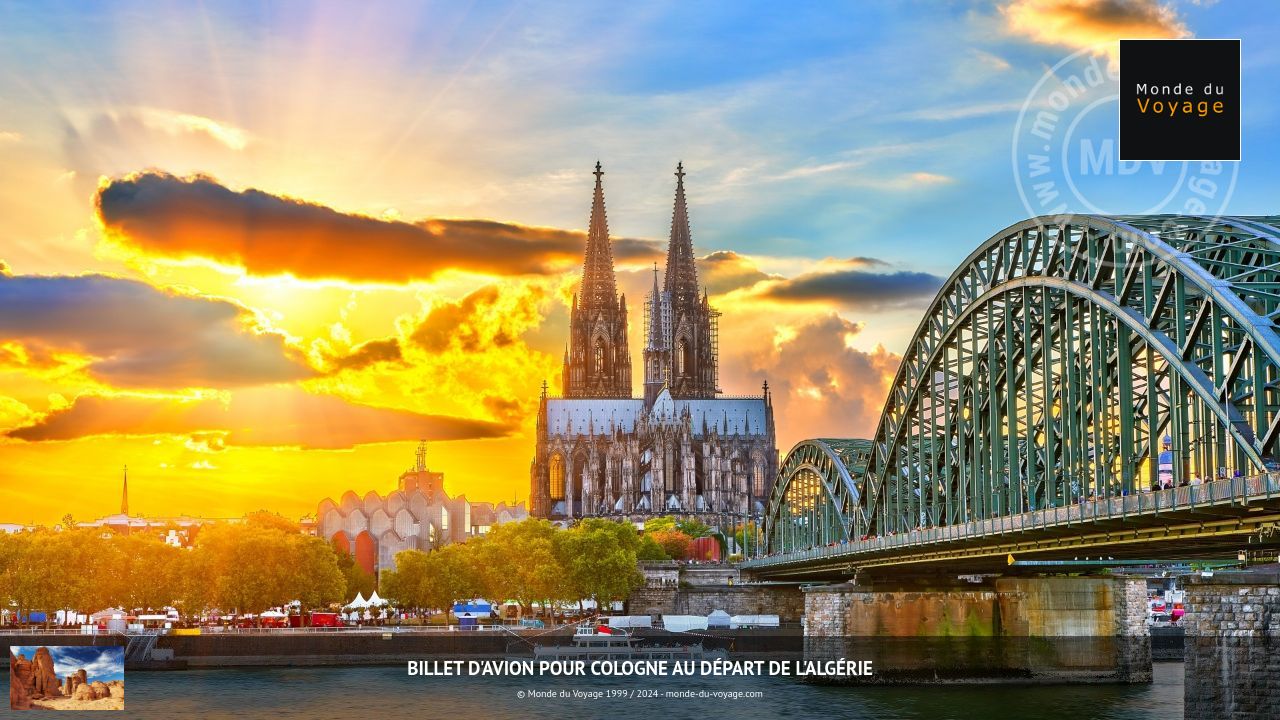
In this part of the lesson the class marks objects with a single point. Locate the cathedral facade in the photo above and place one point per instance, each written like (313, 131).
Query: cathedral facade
(679, 449)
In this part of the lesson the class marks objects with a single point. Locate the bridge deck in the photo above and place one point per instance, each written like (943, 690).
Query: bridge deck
(1178, 523)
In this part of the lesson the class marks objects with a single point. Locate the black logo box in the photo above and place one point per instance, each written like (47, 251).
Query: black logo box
(1187, 68)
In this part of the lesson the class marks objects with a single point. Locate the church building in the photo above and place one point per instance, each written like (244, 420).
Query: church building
(681, 448)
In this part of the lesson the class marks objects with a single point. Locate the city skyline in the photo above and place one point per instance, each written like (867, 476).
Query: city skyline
(416, 184)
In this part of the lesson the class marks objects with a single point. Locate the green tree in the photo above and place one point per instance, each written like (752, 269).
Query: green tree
(271, 521)
(599, 559)
(145, 572)
(407, 582)
(519, 563)
(317, 579)
(650, 550)
(747, 537)
(251, 568)
(452, 576)
(694, 528)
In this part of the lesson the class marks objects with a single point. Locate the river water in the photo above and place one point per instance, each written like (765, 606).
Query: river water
(387, 693)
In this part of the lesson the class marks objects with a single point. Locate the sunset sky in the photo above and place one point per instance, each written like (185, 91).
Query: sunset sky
(254, 251)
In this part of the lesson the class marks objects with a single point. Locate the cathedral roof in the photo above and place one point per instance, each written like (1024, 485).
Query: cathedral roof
(595, 416)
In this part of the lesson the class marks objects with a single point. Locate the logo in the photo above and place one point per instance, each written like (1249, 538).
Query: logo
(1180, 99)
(1066, 152)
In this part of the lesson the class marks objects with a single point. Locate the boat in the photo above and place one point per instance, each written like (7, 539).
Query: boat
(601, 642)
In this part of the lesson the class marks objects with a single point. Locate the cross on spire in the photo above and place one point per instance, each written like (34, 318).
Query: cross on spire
(680, 172)
(598, 171)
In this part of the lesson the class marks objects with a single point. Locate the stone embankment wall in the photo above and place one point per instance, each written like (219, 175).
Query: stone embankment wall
(1232, 650)
(1069, 629)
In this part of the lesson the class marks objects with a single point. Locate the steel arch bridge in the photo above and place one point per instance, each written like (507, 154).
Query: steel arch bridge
(1067, 362)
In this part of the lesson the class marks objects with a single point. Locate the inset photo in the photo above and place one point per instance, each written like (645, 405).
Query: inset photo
(66, 677)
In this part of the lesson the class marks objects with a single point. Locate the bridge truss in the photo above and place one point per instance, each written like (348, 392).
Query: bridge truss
(1063, 362)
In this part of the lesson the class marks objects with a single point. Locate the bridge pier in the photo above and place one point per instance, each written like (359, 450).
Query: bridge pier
(1013, 629)
(1233, 645)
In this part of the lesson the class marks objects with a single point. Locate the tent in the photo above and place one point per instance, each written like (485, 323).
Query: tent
(718, 618)
(375, 601)
(273, 614)
(359, 602)
(107, 614)
(684, 623)
(630, 621)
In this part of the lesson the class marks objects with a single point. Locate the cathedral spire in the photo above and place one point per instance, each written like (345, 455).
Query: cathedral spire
(655, 341)
(124, 496)
(682, 273)
(596, 362)
(599, 287)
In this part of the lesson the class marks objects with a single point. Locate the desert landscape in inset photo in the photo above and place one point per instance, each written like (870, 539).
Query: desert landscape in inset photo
(66, 677)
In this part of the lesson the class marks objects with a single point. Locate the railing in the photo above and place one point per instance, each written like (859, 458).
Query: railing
(1229, 491)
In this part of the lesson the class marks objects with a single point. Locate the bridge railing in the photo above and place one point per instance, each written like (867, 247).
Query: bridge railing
(1227, 491)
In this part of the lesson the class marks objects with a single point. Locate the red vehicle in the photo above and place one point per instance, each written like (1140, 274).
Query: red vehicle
(325, 619)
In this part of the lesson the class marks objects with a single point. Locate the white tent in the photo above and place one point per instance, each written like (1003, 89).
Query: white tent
(375, 601)
(273, 614)
(684, 623)
(359, 602)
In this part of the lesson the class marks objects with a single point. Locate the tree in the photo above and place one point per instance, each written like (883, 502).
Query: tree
(406, 583)
(145, 572)
(600, 561)
(694, 528)
(651, 551)
(747, 537)
(451, 576)
(674, 543)
(519, 562)
(317, 579)
(271, 521)
(250, 566)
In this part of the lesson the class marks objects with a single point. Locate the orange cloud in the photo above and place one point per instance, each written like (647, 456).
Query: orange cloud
(196, 217)
(270, 416)
(822, 387)
(1081, 24)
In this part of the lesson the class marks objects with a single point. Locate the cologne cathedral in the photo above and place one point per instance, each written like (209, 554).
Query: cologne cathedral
(681, 448)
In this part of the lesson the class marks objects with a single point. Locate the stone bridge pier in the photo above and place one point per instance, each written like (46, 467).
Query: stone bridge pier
(1232, 649)
(1008, 629)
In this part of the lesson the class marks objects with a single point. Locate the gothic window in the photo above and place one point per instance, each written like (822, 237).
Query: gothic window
(757, 479)
(682, 358)
(557, 478)
(600, 366)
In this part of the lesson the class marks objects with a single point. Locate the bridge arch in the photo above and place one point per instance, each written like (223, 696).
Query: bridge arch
(1071, 357)
(816, 499)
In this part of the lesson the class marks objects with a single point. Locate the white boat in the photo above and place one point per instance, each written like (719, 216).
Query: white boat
(600, 642)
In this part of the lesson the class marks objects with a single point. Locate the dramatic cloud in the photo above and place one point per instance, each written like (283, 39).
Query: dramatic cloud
(856, 288)
(486, 319)
(365, 355)
(1080, 24)
(822, 386)
(273, 416)
(726, 270)
(181, 218)
(135, 335)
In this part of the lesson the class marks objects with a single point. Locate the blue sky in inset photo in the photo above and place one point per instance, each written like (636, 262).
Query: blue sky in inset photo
(101, 663)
